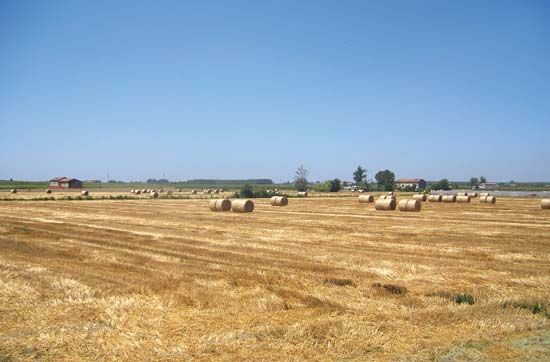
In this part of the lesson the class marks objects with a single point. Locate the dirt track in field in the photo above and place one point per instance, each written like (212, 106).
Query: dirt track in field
(169, 279)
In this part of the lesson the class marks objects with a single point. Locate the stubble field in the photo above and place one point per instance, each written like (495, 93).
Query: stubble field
(324, 279)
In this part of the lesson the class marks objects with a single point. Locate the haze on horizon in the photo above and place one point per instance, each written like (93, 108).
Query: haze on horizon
(184, 90)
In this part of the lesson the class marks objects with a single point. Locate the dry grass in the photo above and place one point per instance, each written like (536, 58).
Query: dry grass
(320, 279)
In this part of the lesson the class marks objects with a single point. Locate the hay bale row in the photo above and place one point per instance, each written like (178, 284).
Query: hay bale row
(385, 204)
(463, 198)
(410, 205)
(365, 199)
(472, 194)
(220, 205)
(279, 201)
(302, 193)
(435, 198)
(487, 200)
(385, 197)
(420, 197)
(545, 204)
(449, 198)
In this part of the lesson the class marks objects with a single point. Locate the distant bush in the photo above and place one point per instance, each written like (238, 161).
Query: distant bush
(339, 282)
(464, 299)
(535, 307)
(391, 288)
(248, 192)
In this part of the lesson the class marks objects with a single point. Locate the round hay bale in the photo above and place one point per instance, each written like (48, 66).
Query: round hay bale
(385, 197)
(390, 193)
(545, 204)
(410, 205)
(221, 190)
(462, 194)
(143, 191)
(385, 204)
(138, 192)
(48, 191)
(13, 191)
(84, 192)
(365, 199)
(216, 191)
(435, 198)
(463, 198)
(154, 195)
(420, 197)
(208, 191)
(302, 193)
(193, 192)
(487, 200)
(484, 194)
(279, 201)
(449, 198)
(472, 194)
(220, 205)
(161, 191)
(242, 205)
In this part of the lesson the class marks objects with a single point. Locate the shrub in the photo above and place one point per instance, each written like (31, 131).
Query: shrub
(391, 288)
(339, 282)
(464, 298)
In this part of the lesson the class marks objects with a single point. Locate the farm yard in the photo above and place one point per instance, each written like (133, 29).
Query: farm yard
(321, 278)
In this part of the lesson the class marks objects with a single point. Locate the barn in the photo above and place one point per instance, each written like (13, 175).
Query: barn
(65, 183)
(413, 184)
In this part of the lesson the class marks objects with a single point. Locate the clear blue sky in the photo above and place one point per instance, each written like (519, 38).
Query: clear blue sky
(246, 89)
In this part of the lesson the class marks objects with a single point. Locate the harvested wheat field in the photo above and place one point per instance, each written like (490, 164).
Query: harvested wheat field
(320, 279)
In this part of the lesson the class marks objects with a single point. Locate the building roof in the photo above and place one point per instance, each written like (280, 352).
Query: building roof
(409, 180)
(63, 179)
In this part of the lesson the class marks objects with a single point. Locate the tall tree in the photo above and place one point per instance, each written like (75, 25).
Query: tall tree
(300, 178)
(385, 180)
(474, 182)
(482, 179)
(360, 176)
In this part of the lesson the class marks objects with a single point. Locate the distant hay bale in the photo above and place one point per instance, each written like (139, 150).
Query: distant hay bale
(302, 193)
(138, 192)
(220, 205)
(463, 198)
(193, 192)
(365, 199)
(84, 192)
(385, 197)
(208, 191)
(279, 201)
(472, 194)
(242, 205)
(484, 194)
(462, 194)
(410, 205)
(13, 191)
(435, 198)
(154, 194)
(390, 193)
(221, 190)
(143, 191)
(178, 190)
(419, 197)
(216, 191)
(449, 198)
(487, 200)
(545, 204)
(48, 191)
(161, 191)
(385, 204)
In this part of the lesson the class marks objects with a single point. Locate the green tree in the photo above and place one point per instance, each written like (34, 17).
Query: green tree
(474, 182)
(385, 180)
(300, 178)
(246, 191)
(334, 185)
(482, 179)
(443, 184)
(360, 176)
